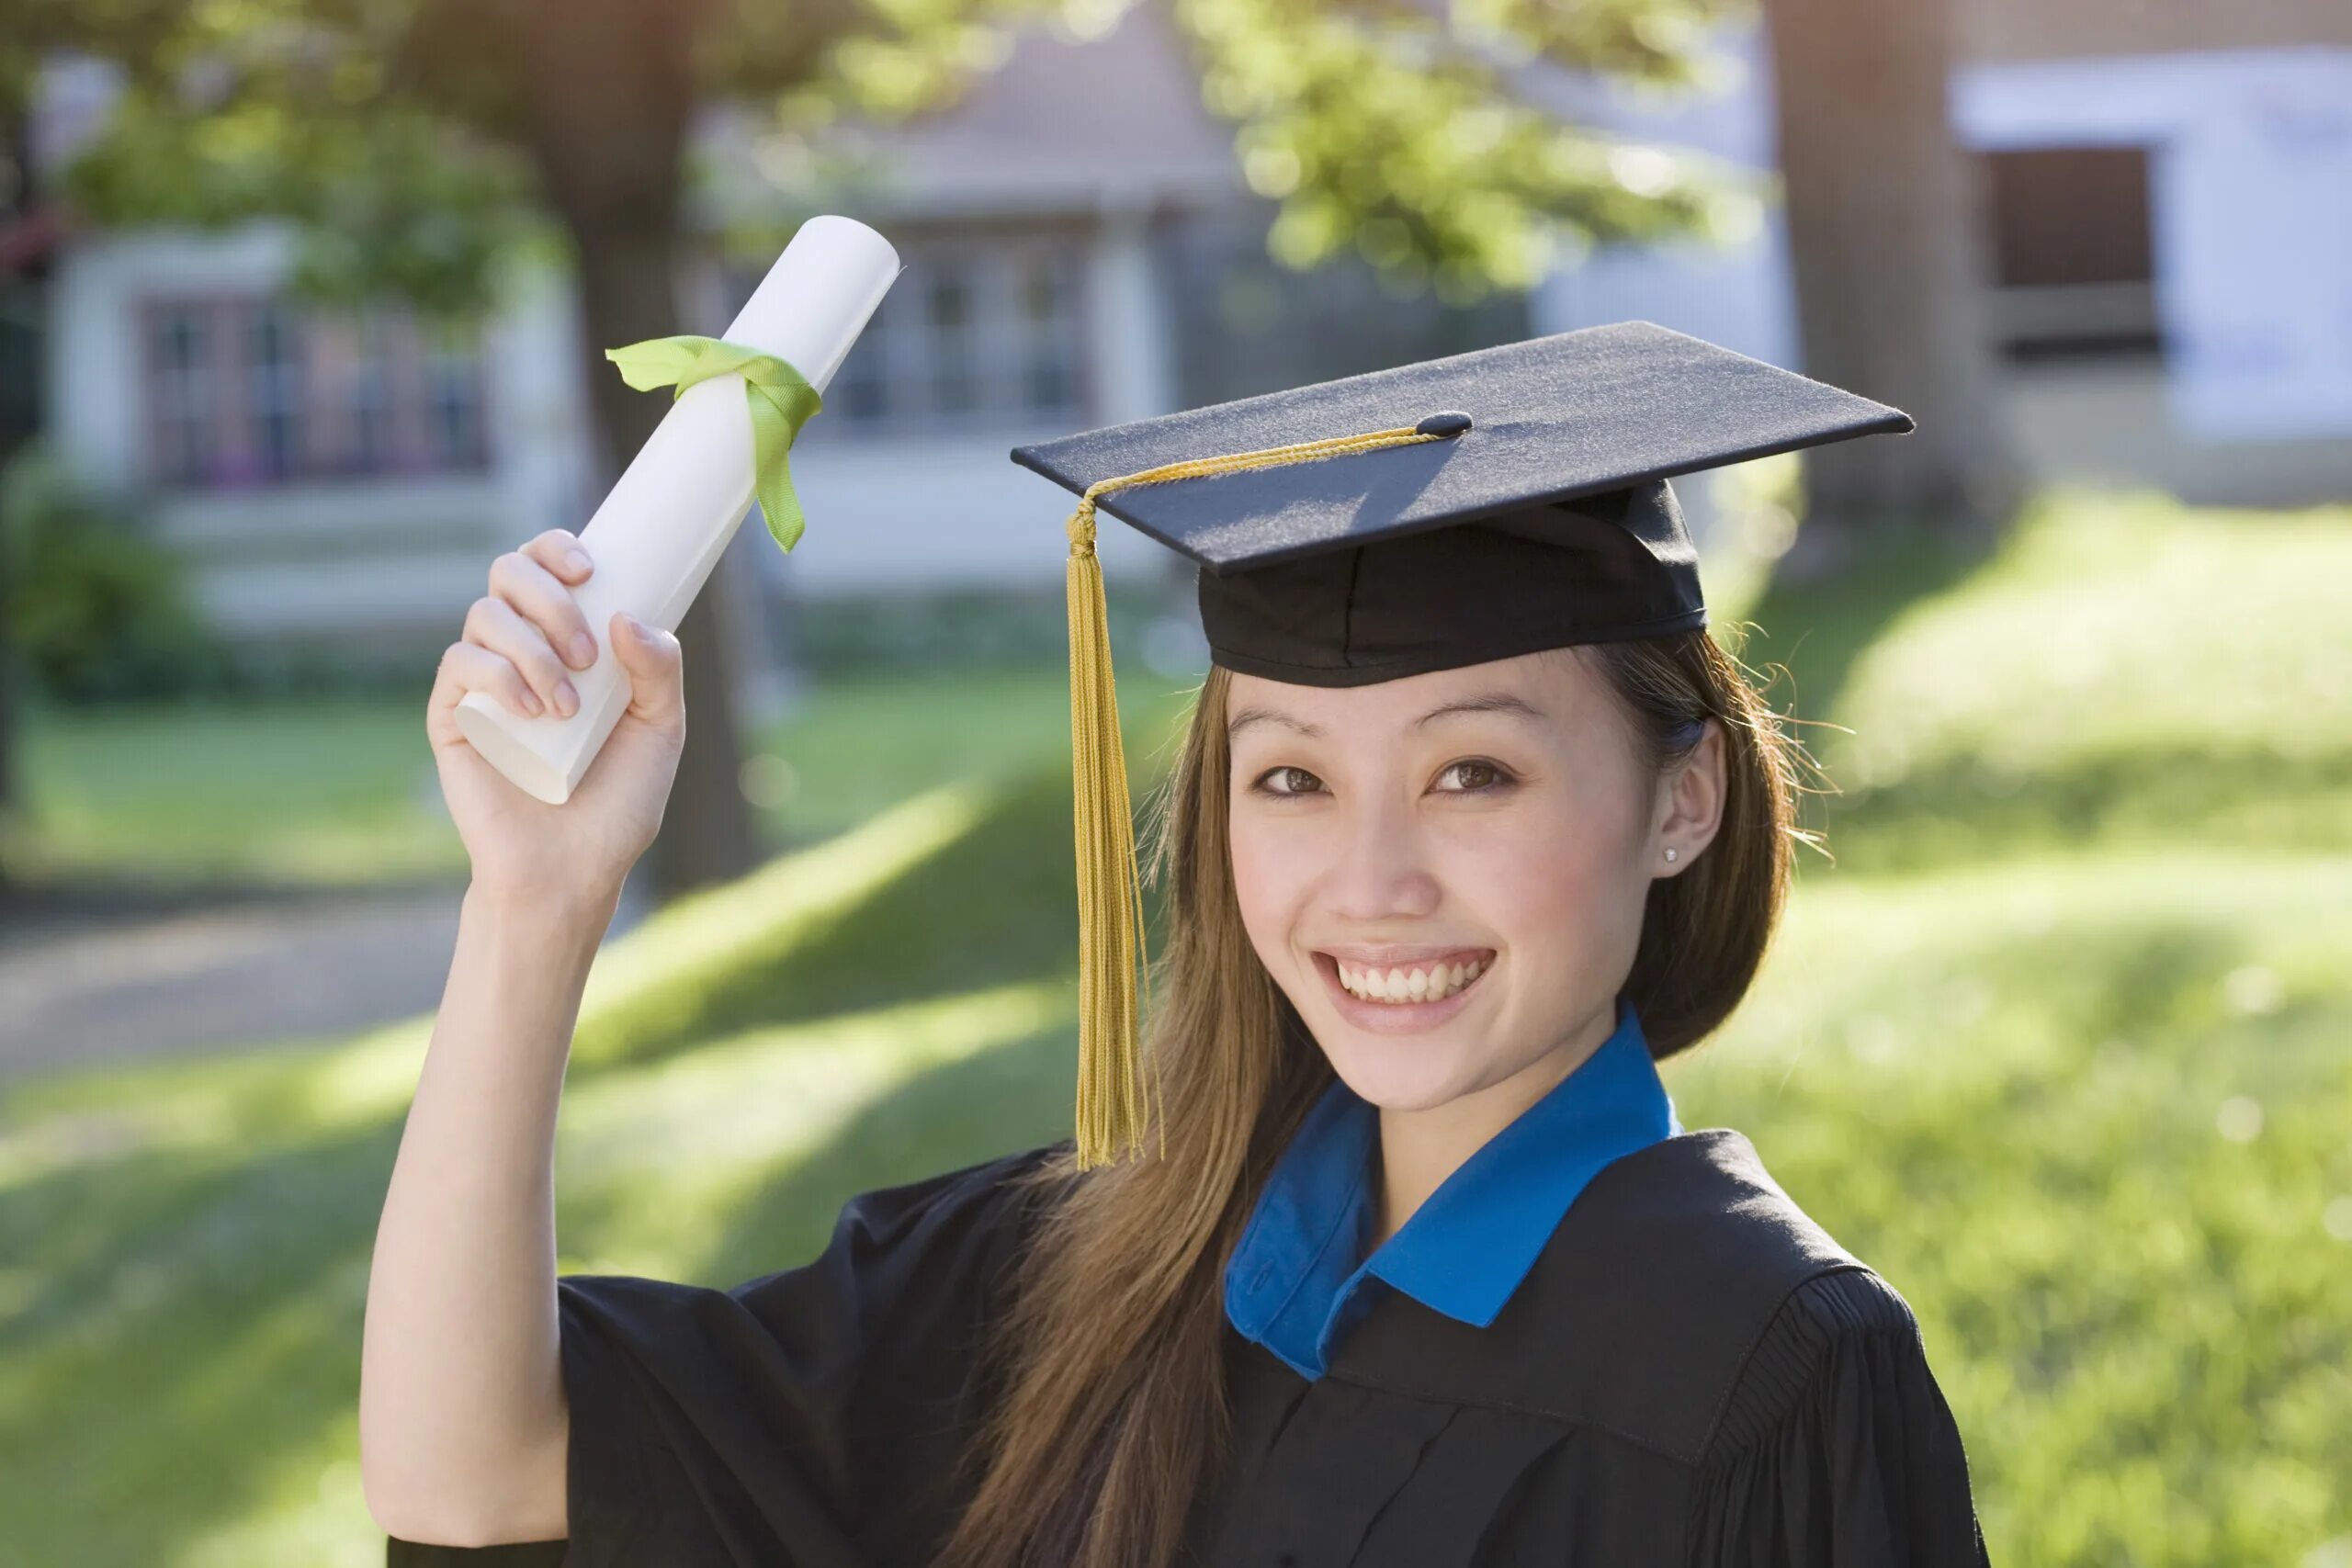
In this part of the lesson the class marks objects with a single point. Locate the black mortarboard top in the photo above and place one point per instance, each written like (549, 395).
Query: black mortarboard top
(1420, 518)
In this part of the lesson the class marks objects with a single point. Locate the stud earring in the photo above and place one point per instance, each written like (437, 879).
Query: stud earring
(1673, 853)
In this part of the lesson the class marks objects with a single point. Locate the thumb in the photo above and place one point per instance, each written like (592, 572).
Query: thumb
(656, 672)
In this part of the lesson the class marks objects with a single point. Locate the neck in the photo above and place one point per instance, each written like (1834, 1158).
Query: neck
(1417, 1150)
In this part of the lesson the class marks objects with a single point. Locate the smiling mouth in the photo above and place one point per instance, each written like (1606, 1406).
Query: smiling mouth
(1405, 985)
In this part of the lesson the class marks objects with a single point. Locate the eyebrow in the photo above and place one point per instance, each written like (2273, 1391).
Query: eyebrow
(1503, 703)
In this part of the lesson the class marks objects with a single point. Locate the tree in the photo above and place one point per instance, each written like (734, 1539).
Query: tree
(1886, 241)
(20, 316)
(417, 141)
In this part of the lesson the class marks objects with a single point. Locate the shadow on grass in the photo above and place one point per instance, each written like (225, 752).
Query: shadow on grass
(187, 1322)
(994, 903)
(1820, 627)
(1966, 810)
(158, 1388)
(1010, 1096)
(209, 1349)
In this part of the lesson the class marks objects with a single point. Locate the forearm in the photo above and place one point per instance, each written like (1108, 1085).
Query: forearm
(461, 1408)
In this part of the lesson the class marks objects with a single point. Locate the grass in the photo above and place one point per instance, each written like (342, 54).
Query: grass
(2057, 1043)
(321, 791)
(2123, 672)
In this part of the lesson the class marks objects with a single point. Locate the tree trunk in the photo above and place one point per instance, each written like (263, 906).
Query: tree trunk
(627, 281)
(1886, 237)
(606, 91)
(20, 419)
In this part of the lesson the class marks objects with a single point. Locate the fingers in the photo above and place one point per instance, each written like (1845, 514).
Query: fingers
(528, 579)
(493, 623)
(656, 673)
(560, 551)
(468, 667)
(522, 636)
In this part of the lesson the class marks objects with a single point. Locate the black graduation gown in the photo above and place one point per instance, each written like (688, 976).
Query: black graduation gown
(1693, 1374)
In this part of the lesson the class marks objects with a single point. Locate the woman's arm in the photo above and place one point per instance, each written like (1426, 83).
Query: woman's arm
(461, 1414)
(463, 1430)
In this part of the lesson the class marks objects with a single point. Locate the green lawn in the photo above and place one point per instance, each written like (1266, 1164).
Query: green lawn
(343, 790)
(2058, 1043)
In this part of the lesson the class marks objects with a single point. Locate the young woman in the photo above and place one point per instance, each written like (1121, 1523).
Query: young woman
(1473, 822)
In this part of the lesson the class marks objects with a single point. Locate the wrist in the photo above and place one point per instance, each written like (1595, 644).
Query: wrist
(582, 914)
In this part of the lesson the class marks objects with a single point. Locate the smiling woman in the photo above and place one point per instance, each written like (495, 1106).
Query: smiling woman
(1473, 821)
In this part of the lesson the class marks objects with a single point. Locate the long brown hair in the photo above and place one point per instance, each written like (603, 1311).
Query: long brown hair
(1113, 1416)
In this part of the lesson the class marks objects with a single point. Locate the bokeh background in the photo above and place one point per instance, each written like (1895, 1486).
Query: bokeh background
(301, 313)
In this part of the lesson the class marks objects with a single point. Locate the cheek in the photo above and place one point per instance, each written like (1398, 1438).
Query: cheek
(1271, 870)
(1555, 881)
(1575, 888)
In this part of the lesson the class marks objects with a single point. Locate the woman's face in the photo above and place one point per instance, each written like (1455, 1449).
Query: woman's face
(1487, 830)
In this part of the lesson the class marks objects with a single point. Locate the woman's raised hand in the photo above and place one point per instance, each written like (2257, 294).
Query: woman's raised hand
(521, 642)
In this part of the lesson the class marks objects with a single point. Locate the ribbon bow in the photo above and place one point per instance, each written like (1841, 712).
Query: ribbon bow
(780, 398)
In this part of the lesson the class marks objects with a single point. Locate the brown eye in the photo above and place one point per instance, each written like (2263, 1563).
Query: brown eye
(1261, 786)
(1484, 776)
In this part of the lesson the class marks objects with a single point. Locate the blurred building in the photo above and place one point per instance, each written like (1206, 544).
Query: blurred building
(2169, 195)
(327, 476)
(2169, 192)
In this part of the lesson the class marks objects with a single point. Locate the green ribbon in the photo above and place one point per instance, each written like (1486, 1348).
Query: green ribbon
(780, 398)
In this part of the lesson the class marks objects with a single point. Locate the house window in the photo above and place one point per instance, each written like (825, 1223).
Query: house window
(256, 391)
(367, 398)
(179, 400)
(980, 334)
(2074, 271)
(453, 404)
(274, 390)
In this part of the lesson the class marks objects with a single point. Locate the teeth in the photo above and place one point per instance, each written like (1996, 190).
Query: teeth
(1424, 983)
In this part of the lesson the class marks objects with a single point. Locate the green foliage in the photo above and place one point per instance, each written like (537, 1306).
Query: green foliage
(411, 142)
(93, 610)
(1389, 129)
(387, 197)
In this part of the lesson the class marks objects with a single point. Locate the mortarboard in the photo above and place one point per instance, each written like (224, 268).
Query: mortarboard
(1420, 518)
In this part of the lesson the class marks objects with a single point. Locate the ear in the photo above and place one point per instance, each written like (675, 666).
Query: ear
(1691, 805)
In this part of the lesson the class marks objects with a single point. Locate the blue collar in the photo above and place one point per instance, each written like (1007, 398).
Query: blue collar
(1295, 1280)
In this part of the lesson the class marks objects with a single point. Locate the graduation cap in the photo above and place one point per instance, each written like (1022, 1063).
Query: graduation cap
(1426, 517)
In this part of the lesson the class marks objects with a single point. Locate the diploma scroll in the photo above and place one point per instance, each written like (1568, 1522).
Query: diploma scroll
(669, 517)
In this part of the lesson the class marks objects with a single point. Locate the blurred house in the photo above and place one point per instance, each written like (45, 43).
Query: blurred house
(2169, 193)
(2169, 197)
(330, 477)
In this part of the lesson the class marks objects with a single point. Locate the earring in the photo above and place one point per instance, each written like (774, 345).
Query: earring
(1671, 853)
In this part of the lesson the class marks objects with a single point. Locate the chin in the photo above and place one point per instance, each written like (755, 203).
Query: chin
(1395, 1073)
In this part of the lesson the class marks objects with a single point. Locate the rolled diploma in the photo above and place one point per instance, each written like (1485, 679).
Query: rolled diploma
(668, 519)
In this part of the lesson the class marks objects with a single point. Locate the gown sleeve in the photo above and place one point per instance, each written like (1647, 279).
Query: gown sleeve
(1836, 1448)
(766, 1422)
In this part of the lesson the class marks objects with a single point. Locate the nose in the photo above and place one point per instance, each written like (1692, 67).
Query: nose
(1381, 873)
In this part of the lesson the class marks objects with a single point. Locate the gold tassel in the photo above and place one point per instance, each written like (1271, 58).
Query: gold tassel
(1110, 941)
(1110, 894)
